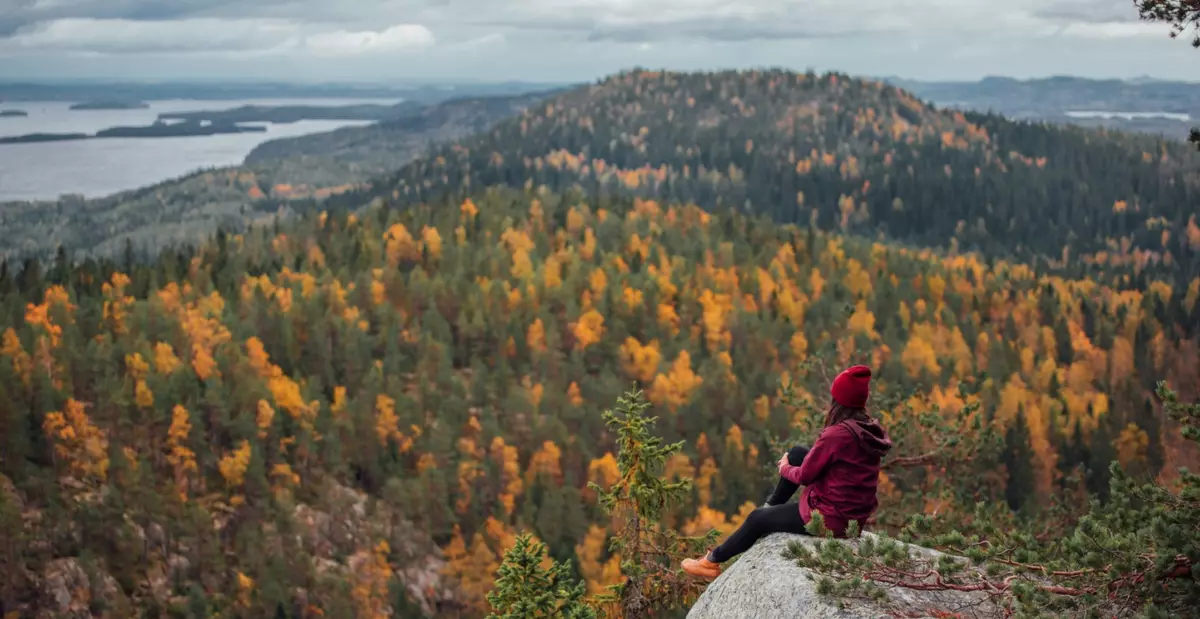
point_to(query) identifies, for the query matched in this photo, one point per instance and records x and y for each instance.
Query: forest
(844, 154)
(359, 411)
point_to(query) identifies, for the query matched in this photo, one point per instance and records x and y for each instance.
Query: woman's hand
(783, 461)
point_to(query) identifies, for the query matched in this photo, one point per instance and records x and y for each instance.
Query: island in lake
(30, 138)
(110, 105)
(162, 129)
(157, 130)
(283, 114)
(13, 113)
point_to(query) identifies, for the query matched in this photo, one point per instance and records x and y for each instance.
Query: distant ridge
(838, 151)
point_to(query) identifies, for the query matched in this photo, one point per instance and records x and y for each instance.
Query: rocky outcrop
(68, 590)
(335, 531)
(762, 583)
(345, 523)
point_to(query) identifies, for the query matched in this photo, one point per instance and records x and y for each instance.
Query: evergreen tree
(529, 586)
(650, 554)
(1018, 463)
(198, 606)
(1062, 337)
(1100, 454)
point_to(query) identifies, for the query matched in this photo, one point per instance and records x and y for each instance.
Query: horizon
(410, 83)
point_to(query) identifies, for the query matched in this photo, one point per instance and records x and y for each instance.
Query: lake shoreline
(44, 171)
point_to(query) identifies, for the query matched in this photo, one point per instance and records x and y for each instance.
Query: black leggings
(778, 516)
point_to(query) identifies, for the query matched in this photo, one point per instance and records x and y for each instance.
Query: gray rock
(345, 523)
(68, 591)
(763, 584)
(177, 568)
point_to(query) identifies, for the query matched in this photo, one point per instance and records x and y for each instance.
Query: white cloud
(212, 36)
(400, 37)
(1117, 30)
(122, 36)
(582, 39)
(494, 39)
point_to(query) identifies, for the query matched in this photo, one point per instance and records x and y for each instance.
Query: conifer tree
(1017, 463)
(650, 553)
(528, 586)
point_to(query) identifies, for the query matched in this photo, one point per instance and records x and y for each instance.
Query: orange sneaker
(702, 568)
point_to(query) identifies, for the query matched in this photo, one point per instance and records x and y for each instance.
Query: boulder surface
(763, 584)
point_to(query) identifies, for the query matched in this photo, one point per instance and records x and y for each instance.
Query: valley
(342, 378)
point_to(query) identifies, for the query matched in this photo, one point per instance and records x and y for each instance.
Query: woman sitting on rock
(839, 474)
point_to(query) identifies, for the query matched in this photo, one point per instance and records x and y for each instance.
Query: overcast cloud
(560, 40)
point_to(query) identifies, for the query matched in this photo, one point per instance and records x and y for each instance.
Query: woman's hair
(838, 413)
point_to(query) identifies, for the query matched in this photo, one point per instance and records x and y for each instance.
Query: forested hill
(284, 423)
(844, 153)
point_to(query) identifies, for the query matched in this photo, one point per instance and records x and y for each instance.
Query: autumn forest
(357, 410)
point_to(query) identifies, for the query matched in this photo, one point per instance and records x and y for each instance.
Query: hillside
(191, 208)
(353, 411)
(162, 427)
(409, 127)
(847, 155)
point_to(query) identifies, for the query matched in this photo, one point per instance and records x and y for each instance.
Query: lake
(95, 168)
(1129, 115)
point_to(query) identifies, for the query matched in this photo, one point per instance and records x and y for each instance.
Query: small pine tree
(526, 588)
(650, 554)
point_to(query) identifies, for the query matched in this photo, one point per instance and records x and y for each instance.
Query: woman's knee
(797, 454)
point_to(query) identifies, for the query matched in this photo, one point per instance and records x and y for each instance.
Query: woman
(839, 475)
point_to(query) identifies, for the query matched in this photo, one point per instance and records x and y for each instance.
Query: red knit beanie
(852, 387)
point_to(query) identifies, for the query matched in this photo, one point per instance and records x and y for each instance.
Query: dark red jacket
(840, 473)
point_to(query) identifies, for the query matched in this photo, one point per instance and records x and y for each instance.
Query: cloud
(212, 36)
(727, 21)
(492, 39)
(636, 21)
(1117, 30)
(16, 15)
(343, 43)
(597, 20)
(580, 39)
(736, 29)
(354, 24)
(1087, 11)
(123, 36)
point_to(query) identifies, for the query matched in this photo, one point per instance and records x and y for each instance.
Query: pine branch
(925, 458)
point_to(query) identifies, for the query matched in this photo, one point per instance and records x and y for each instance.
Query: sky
(579, 40)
